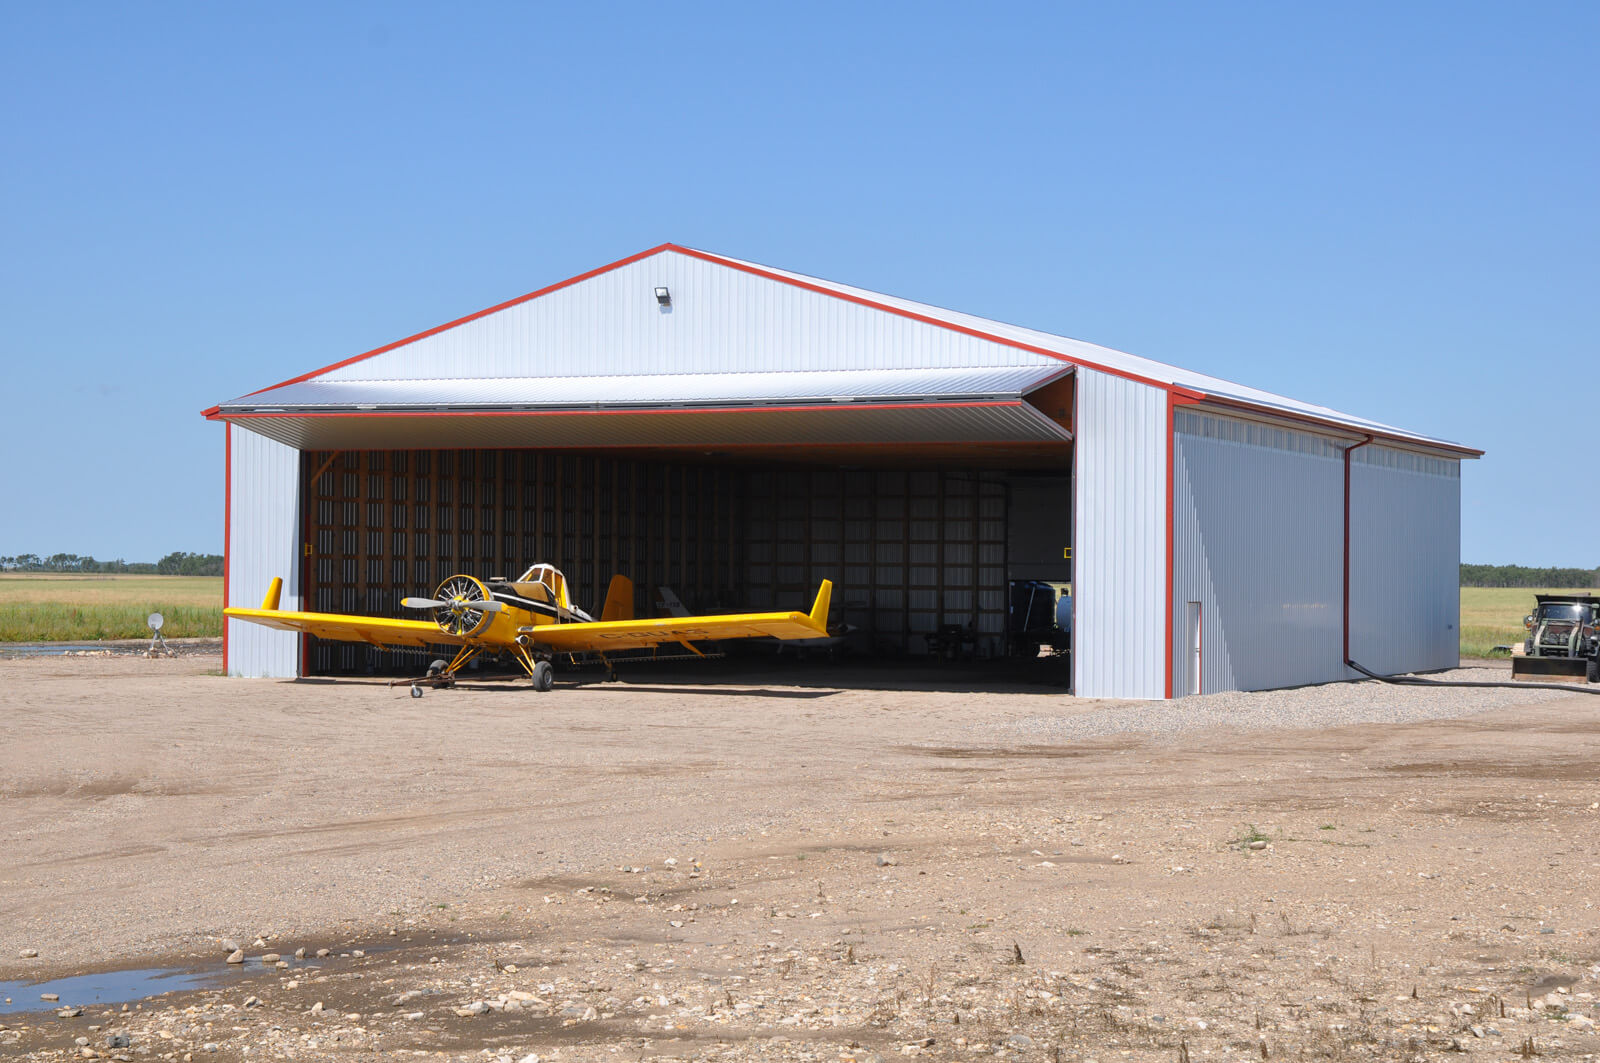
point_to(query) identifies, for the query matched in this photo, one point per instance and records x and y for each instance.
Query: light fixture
(663, 298)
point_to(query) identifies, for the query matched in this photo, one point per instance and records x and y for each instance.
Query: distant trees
(174, 564)
(1522, 576)
(182, 564)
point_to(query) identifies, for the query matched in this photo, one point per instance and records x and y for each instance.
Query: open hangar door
(924, 544)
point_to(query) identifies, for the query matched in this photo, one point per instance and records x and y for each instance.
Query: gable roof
(560, 333)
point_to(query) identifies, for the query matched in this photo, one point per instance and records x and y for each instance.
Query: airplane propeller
(435, 603)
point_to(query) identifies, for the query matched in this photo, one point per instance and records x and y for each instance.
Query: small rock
(1021, 1040)
(300, 953)
(885, 860)
(236, 956)
(252, 1002)
(28, 954)
(1477, 1031)
(477, 1007)
(1258, 845)
(88, 1053)
(413, 1015)
(357, 953)
(258, 943)
(229, 945)
(118, 1040)
(322, 954)
(49, 996)
(80, 1041)
(316, 1009)
(69, 1013)
(271, 957)
(209, 1046)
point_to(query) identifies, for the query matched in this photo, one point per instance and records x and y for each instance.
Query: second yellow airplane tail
(819, 611)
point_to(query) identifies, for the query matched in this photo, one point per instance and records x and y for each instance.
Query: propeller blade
(434, 603)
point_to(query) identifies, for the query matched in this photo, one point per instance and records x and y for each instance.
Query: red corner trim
(227, 531)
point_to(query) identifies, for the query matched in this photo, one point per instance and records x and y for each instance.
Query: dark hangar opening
(926, 545)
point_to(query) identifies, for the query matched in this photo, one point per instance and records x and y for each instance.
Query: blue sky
(1388, 209)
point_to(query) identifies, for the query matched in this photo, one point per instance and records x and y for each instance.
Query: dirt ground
(683, 866)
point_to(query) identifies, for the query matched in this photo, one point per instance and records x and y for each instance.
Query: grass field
(1492, 616)
(48, 607)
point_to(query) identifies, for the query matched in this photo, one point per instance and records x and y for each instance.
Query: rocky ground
(701, 869)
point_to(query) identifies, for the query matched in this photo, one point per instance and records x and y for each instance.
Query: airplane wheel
(416, 692)
(544, 676)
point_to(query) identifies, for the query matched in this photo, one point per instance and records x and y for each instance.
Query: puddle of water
(119, 987)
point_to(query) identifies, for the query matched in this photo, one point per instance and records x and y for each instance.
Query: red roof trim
(925, 319)
(794, 282)
(471, 317)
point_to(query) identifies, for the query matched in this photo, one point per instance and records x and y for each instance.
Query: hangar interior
(922, 548)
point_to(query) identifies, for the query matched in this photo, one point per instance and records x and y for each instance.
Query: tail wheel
(462, 613)
(544, 676)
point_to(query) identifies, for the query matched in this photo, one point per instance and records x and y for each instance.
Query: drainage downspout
(1347, 452)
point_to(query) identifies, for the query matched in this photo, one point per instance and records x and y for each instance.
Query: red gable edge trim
(618, 264)
(706, 256)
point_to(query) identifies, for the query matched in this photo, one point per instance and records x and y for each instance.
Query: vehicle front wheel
(544, 676)
(1594, 670)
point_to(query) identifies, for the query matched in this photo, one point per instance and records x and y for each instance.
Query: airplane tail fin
(619, 599)
(819, 611)
(274, 594)
(671, 603)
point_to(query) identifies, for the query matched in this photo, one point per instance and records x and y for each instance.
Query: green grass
(1492, 616)
(63, 608)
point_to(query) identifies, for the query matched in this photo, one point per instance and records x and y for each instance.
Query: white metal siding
(721, 320)
(1405, 557)
(1258, 541)
(1119, 550)
(263, 541)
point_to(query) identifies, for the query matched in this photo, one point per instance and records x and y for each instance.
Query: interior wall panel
(1405, 561)
(263, 542)
(1119, 556)
(909, 551)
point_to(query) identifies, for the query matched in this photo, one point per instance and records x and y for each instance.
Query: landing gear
(416, 691)
(543, 676)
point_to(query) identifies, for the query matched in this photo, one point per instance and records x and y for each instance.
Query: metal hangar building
(739, 433)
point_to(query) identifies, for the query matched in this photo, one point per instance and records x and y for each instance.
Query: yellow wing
(377, 630)
(603, 636)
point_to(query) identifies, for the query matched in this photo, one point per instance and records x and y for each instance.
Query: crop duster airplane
(532, 619)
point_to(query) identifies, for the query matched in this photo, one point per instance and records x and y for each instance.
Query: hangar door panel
(1258, 553)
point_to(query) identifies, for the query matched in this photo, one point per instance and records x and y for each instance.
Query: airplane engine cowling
(458, 616)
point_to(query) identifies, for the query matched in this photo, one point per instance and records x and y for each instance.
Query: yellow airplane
(532, 619)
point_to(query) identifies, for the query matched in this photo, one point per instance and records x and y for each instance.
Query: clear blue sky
(1388, 209)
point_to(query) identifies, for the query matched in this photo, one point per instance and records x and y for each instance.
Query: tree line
(177, 563)
(1523, 576)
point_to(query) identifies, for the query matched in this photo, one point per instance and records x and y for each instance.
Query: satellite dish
(155, 620)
